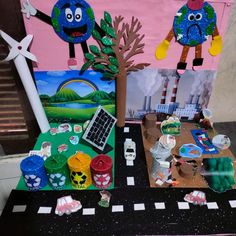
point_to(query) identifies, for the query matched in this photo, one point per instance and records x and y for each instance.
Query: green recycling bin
(57, 171)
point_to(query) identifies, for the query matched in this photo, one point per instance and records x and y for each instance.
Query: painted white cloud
(56, 73)
(93, 73)
(41, 82)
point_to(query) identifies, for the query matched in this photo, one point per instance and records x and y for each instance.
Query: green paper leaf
(108, 76)
(107, 50)
(114, 61)
(108, 18)
(110, 31)
(103, 25)
(85, 66)
(96, 35)
(89, 56)
(113, 68)
(94, 49)
(107, 41)
(99, 67)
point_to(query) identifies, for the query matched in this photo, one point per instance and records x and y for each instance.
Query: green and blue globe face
(73, 20)
(193, 27)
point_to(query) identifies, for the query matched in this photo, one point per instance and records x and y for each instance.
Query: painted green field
(59, 113)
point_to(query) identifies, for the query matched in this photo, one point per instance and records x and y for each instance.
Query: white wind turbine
(18, 53)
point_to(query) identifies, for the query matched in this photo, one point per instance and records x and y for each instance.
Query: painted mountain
(68, 97)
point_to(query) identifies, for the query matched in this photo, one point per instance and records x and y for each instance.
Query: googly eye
(78, 14)
(198, 16)
(191, 17)
(69, 15)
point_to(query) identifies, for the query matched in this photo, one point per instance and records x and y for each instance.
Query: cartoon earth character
(193, 24)
(72, 20)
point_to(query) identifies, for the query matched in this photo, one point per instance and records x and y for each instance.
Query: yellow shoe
(216, 46)
(161, 50)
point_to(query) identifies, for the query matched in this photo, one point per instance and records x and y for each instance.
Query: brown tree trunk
(121, 83)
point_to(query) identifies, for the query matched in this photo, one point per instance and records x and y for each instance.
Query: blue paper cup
(34, 172)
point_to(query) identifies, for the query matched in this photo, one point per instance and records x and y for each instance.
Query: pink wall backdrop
(156, 17)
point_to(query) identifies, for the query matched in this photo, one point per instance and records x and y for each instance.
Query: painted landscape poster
(68, 97)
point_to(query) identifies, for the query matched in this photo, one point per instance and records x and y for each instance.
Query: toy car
(196, 197)
(129, 149)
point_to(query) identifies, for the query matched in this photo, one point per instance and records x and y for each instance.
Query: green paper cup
(57, 171)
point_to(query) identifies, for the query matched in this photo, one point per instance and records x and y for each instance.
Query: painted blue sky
(48, 82)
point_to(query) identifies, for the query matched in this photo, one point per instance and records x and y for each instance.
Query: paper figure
(73, 21)
(193, 24)
(202, 140)
(105, 198)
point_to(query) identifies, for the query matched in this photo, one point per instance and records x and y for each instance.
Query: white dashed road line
(117, 208)
(44, 210)
(160, 205)
(212, 205)
(139, 207)
(183, 205)
(88, 211)
(130, 181)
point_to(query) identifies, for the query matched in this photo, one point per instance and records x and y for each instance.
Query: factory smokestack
(149, 103)
(190, 101)
(197, 99)
(164, 92)
(144, 103)
(175, 89)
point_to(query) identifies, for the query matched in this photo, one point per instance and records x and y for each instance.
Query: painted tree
(113, 56)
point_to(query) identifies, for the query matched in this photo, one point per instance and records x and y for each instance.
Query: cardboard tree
(120, 42)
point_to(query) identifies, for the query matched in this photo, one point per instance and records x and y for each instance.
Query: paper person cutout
(72, 21)
(18, 53)
(193, 24)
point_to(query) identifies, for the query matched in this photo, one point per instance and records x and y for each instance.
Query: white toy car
(129, 149)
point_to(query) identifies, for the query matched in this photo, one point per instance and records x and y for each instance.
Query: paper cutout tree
(114, 56)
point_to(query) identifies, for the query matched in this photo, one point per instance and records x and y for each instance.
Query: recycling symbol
(57, 180)
(32, 181)
(78, 178)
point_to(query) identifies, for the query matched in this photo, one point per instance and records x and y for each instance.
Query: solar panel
(99, 128)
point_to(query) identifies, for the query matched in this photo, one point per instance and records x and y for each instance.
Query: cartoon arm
(29, 10)
(216, 44)
(84, 45)
(163, 47)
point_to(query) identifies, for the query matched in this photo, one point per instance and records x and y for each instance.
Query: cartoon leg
(198, 60)
(72, 62)
(181, 66)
